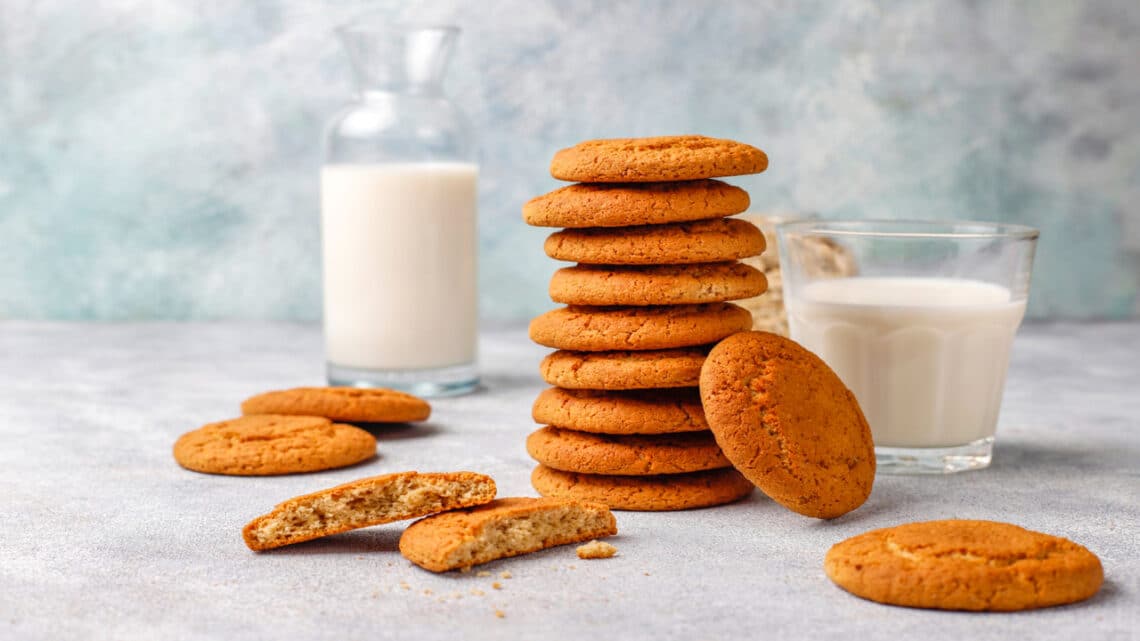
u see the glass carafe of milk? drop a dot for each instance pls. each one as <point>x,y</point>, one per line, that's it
<point>398,220</point>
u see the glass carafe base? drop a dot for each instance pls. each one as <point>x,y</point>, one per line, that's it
<point>975,455</point>
<point>429,383</point>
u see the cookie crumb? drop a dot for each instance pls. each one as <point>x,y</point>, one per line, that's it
<point>500,614</point>
<point>595,550</point>
<point>504,574</point>
<point>477,592</point>
<point>465,569</point>
<point>482,573</point>
<point>405,586</point>
<point>496,585</point>
<point>427,591</point>
<point>645,573</point>
<point>457,595</point>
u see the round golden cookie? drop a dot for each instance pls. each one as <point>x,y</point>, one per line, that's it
<point>644,493</point>
<point>270,444</point>
<point>702,241</point>
<point>656,284</point>
<point>629,160</point>
<point>964,565</point>
<point>664,411</point>
<point>788,423</point>
<point>623,205</point>
<point>598,329</point>
<point>625,455</point>
<point>353,404</point>
<point>624,370</point>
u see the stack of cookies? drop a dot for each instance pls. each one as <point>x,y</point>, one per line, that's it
<point>658,259</point>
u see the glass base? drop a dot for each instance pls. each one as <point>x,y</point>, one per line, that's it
<point>935,460</point>
<point>430,383</point>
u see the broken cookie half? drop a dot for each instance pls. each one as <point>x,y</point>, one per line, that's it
<point>502,528</point>
<point>366,502</point>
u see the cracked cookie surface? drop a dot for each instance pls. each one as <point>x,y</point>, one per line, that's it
<point>656,284</point>
<point>624,370</point>
<point>702,241</point>
<point>352,404</point>
<point>595,329</point>
<point>270,444</point>
<point>577,206</point>
<point>656,158</point>
<point>665,411</point>
<point>645,493</point>
<point>787,422</point>
<point>625,455</point>
<point>964,565</point>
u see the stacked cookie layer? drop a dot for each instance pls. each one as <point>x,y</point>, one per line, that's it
<point>658,261</point>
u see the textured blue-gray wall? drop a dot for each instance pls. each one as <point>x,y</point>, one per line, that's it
<point>158,159</point>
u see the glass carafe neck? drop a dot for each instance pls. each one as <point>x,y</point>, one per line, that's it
<point>392,59</point>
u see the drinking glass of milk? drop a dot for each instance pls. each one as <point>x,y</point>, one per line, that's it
<point>921,333</point>
<point>398,220</point>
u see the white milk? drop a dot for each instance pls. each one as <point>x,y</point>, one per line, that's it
<point>399,265</point>
<point>926,357</point>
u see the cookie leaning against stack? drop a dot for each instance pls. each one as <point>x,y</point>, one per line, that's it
<point>658,262</point>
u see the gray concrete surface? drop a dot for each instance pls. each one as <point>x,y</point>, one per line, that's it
<point>105,537</point>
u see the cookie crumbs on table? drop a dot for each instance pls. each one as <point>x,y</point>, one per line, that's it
<point>596,550</point>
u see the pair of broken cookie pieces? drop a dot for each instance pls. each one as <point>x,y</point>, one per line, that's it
<point>298,430</point>
<point>465,525</point>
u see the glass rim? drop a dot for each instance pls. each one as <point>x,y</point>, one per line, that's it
<point>911,228</point>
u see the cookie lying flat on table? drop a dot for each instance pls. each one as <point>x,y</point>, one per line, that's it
<point>964,565</point>
<point>366,502</point>
<point>624,370</point>
<point>702,241</point>
<point>502,528</point>
<point>577,206</point>
<point>656,284</point>
<point>645,493</point>
<point>270,444</point>
<point>625,455</point>
<point>656,159</point>
<point>352,404</point>
<point>788,423</point>
<point>596,329</point>
<point>665,411</point>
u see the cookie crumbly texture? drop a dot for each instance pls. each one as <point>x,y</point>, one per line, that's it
<point>624,370</point>
<point>656,284</point>
<point>595,329</point>
<point>702,241</point>
<point>502,528</point>
<point>271,444</point>
<point>964,565</point>
<point>645,493</point>
<point>578,206</point>
<point>661,158</point>
<point>352,404</point>
<point>366,502</point>
<point>788,423</point>
<point>596,550</point>
<point>625,455</point>
<point>663,411</point>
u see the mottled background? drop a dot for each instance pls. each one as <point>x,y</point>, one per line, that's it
<point>158,159</point>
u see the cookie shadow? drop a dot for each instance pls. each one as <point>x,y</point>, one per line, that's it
<point>1021,455</point>
<point>363,541</point>
<point>884,499</point>
<point>400,431</point>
